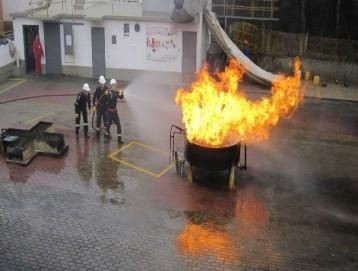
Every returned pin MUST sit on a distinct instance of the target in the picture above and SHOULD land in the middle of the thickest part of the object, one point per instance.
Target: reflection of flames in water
(204, 240)
(217, 113)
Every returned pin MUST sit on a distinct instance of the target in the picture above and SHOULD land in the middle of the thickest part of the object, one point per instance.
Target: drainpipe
(1, 18)
(209, 5)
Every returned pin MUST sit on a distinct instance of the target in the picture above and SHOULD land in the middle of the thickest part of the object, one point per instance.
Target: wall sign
(161, 43)
(126, 30)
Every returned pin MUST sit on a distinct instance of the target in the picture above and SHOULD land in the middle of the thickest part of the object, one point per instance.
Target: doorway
(98, 52)
(53, 48)
(29, 32)
(189, 56)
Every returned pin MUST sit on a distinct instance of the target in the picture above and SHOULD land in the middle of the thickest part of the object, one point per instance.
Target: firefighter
(111, 114)
(83, 100)
(38, 53)
(99, 103)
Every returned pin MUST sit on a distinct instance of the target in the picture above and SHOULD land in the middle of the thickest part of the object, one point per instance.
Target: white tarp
(253, 71)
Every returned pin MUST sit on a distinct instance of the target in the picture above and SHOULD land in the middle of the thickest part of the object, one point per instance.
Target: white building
(12, 6)
(119, 38)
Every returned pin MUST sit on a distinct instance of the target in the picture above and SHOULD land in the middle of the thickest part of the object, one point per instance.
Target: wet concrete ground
(296, 208)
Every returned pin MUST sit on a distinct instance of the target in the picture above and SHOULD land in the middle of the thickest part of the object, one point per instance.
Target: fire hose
(95, 114)
(53, 95)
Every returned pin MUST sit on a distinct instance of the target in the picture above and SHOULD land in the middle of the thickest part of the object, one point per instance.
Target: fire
(199, 240)
(216, 112)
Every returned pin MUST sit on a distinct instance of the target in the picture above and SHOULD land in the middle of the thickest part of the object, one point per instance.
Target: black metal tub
(212, 159)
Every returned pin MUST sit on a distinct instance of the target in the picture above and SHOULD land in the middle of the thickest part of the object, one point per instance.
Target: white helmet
(113, 82)
(86, 87)
(102, 80)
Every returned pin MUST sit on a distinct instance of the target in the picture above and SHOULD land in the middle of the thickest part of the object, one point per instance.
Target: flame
(216, 112)
(199, 240)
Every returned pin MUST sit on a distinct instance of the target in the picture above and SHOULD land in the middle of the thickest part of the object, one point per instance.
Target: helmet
(113, 82)
(86, 87)
(102, 80)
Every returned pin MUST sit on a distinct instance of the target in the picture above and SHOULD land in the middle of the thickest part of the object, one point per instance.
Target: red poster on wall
(162, 43)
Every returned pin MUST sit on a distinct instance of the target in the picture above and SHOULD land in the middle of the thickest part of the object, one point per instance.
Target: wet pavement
(100, 208)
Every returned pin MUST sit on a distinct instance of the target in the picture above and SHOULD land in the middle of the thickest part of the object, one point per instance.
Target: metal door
(98, 52)
(189, 56)
(30, 32)
(53, 48)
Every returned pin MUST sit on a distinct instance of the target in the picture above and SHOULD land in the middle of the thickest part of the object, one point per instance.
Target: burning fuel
(216, 112)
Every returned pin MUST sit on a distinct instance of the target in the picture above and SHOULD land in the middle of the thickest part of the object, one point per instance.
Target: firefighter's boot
(120, 142)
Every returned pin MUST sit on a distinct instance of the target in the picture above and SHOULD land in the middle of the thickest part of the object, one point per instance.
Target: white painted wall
(18, 24)
(130, 52)
(5, 57)
(12, 6)
(167, 6)
(82, 45)
(156, 6)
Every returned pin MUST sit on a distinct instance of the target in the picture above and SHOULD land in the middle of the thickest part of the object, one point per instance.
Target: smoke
(151, 110)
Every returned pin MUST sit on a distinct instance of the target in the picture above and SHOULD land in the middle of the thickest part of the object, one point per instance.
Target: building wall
(12, 6)
(81, 62)
(156, 6)
(129, 56)
(131, 52)
(18, 24)
(5, 57)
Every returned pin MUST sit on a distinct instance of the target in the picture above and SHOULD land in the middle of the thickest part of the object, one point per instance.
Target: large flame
(216, 112)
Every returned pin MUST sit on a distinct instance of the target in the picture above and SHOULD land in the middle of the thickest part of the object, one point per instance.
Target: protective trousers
(112, 117)
(78, 121)
(100, 114)
(38, 64)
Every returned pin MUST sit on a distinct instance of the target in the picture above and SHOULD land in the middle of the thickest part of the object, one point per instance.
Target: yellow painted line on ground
(16, 79)
(138, 168)
(18, 83)
(39, 117)
(113, 154)
(165, 171)
(150, 147)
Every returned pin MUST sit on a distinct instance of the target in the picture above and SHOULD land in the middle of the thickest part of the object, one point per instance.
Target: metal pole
(225, 15)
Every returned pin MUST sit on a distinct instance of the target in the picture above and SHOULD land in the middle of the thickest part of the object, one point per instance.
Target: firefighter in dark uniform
(83, 100)
(111, 114)
(99, 103)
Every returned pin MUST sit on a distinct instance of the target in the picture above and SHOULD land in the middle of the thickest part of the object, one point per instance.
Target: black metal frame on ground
(21, 146)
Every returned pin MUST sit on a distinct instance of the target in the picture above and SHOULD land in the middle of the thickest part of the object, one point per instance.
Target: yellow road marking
(138, 168)
(16, 79)
(18, 83)
(165, 171)
(39, 117)
(150, 147)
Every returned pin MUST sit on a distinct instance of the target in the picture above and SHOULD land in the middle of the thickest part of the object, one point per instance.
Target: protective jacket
(83, 101)
(111, 100)
(98, 97)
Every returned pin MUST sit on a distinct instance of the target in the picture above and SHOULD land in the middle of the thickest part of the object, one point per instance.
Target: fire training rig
(21, 146)
(225, 158)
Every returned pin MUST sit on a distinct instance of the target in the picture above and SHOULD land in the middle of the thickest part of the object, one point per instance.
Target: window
(126, 30)
(114, 39)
